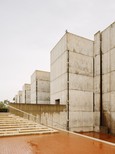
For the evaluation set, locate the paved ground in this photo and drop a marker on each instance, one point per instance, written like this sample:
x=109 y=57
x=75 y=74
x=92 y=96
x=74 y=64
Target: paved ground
x=101 y=136
x=58 y=143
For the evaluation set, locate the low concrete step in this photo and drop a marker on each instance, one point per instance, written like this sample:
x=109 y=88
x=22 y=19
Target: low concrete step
x=15 y=125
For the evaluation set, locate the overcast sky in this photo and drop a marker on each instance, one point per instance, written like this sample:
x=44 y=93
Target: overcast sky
x=29 y=29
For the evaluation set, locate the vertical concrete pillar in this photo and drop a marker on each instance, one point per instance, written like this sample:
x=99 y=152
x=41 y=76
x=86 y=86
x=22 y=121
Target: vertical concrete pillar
x=97 y=81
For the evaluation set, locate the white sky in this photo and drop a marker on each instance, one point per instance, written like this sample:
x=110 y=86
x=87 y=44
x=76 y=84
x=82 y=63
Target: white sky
x=29 y=29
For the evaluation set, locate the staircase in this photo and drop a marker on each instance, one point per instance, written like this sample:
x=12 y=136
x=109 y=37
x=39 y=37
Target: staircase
x=11 y=125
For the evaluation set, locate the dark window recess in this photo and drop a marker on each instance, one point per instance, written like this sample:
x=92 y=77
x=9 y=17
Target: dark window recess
x=57 y=101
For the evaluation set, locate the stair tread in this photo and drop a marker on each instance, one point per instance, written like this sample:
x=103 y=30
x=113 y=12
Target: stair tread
x=15 y=125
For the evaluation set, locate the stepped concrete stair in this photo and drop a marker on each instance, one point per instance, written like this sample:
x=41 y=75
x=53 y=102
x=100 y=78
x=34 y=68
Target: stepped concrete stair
x=11 y=125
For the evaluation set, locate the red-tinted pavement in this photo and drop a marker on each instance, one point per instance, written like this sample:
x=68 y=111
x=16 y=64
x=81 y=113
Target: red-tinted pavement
x=58 y=143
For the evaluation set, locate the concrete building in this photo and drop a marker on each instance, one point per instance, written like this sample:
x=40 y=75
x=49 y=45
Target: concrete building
x=19 y=97
x=26 y=93
x=72 y=80
x=104 y=79
x=16 y=98
x=82 y=79
x=40 y=87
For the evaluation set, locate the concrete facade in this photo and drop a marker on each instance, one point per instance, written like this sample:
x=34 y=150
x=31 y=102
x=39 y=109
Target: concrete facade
x=40 y=87
x=83 y=79
x=108 y=77
x=16 y=98
x=97 y=80
x=72 y=80
x=26 y=93
x=19 y=97
x=104 y=80
x=47 y=114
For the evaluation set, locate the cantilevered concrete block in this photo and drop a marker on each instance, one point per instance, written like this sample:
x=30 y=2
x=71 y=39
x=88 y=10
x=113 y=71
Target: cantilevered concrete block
x=72 y=78
x=26 y=93
x=40 y=87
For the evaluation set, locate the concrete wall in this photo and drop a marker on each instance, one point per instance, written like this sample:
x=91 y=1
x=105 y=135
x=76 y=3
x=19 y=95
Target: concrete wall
x=26 y=93
x=80 y=79
x=108 y=77
x=97 y=52
x=52 y=115
x=40 y=87
x=19 y=97
x=80 y=83
x=83 y=74
x=104 y=49
x=58 y=75
x=16 y=98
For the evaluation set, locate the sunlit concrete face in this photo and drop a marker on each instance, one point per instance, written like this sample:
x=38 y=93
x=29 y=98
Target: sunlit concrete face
x=78 y=52
x=40 y=87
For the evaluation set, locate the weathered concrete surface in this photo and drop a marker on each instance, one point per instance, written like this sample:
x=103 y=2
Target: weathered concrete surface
x=108 y=78
x=59 y=84
x=80 y=64
x=59 y=66
x=62 y=95
x=80 y=52
x=80 y=82
x=79 y=45
x=97 y=84
x=16 y=98
x=59 y=48
x=47 y=114
x=19 y=97
x=97 y=65
x=106 y=40
x=81 y=101
x=58 y=75
x=40 y=87
x=106 y=83
x=96 y=101
x=104 y=44
x=112 y=59
x=96 y=104
x=83 y=74
x=26 y=93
